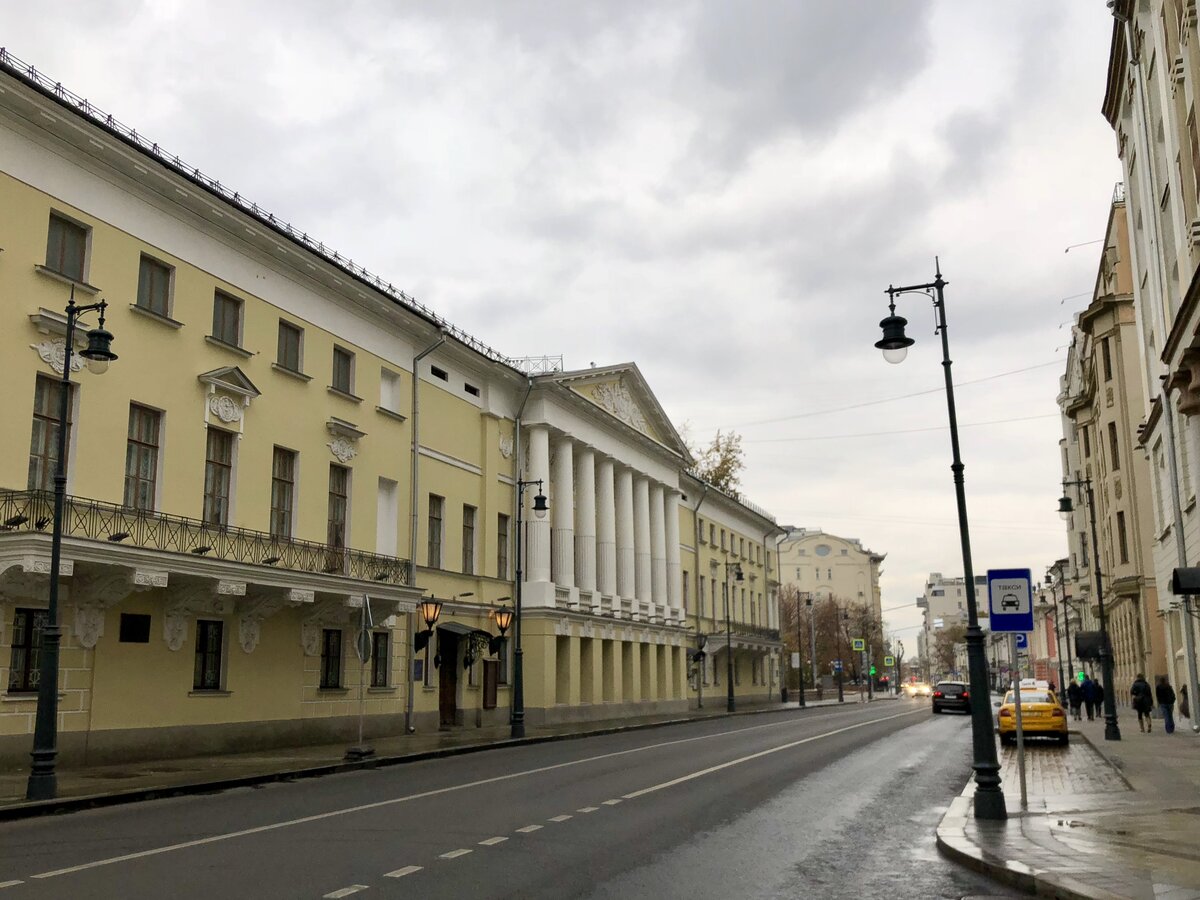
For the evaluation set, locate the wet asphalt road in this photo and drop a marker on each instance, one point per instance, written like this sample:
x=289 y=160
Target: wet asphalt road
x=829 y=803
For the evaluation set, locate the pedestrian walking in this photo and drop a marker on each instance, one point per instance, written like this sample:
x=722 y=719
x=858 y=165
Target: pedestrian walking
x=1143 y=701
x=1165 y=695
x=1089 y=697
x=1075 y=699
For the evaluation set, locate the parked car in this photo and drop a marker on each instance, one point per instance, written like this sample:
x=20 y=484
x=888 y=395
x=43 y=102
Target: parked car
x=1042 y=715
x=951 y=695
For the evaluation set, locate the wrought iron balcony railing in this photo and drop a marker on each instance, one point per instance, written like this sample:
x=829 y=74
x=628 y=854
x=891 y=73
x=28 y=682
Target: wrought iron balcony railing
x=98 y=521
x=771 y=634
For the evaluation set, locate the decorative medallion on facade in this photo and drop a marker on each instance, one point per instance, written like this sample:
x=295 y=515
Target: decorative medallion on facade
x=346 y=435
x=225 y=408
x=506 y=446
x=342 y=449
x=54 y=354
x=616 y=399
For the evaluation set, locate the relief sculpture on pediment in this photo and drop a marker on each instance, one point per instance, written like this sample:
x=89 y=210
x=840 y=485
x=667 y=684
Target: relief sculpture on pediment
x=616 y=399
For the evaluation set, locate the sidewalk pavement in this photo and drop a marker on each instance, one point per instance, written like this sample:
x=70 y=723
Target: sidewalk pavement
x=90 y=786
x=1106 y=819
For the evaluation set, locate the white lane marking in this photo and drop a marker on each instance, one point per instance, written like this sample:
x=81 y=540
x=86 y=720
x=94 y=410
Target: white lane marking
x=400 y=873
x=317 y=817
x=559 y=818
x=492 y=842
x=529 y=829
x=737 y=762
x=345 y=892
x=455 y=854
x=611 y=802
x=13 y=883
x=588 y=809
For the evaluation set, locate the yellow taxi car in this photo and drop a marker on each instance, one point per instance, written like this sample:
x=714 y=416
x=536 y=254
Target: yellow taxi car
x=1041 y=715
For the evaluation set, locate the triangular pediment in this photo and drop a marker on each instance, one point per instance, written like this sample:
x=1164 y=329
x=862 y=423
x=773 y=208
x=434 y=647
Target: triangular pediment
x=230 y=379
x=621 y=391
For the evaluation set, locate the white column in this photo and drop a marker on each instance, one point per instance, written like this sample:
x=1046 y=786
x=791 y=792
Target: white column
x=674 y=567
x=606 y=525
x=585 y=525
x=562 y=513
x=625 y=578
x=658 y=547
x=642 y=587
x=537 y=531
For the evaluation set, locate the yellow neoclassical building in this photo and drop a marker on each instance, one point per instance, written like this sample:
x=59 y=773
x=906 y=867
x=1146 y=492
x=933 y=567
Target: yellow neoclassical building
x=288 y=455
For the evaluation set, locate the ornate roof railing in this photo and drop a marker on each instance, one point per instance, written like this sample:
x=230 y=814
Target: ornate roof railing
x=33 y=511
x=81 y=105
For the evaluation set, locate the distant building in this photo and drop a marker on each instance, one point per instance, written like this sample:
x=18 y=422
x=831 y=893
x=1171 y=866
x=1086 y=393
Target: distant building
x=826 y=565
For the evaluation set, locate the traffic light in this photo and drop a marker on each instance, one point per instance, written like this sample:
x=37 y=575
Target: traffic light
x=872 y=670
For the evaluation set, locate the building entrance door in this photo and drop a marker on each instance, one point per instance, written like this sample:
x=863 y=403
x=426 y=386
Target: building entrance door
x=448 y=679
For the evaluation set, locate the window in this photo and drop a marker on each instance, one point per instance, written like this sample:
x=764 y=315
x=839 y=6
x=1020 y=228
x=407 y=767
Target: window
x=722 y=538
x=1087 y=443
x=439 y=373
x=685 y=592
x=291 y=339
x=1106 y=356
x=712 y=534
x=700 y=528
x=227 y=319
x=343 y=370
x=471 y=389
x=502 y=658
x=742 y=547
x=283 y=491
x=66 y=248
x=468 y=540
x=43 y=445
x=1083 y=550
x=1112 y=441
x=938 y=593
x=381 y=663
x=207 y=676
x=1122 y=538
x=700 y=595
x=433 y=558
x=218 y=474
x=502 y=546
x=389 y=390
x=26 y=644
x=141 y=457
x=331 y=658
x=154 y=286
x=134 y=628
x=339 y=496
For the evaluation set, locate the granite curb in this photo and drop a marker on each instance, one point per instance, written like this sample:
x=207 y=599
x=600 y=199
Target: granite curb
x=29 y=810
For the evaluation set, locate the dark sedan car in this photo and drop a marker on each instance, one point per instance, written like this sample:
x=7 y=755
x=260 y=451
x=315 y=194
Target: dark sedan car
x=951 y=695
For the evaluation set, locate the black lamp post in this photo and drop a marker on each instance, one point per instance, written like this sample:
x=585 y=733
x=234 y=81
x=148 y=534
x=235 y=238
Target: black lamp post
x=43 y=783
x=736 y=568
x=1112 y=731
x=842 y=618
x=699 y=657
x=799 y=654
x=1062 y=684
x=540 y=507
x=989 y=798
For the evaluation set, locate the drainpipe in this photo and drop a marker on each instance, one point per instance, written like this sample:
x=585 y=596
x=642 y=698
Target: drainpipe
x=413 y=503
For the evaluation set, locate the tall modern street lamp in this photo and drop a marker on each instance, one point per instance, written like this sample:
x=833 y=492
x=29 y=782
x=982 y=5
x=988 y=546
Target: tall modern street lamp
x=989 y=798
x=1112 y=731
x=736 y=569
x=540 y=507
x=43 y=783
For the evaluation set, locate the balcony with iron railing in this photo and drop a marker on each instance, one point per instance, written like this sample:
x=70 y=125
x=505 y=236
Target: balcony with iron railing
x=95 y=520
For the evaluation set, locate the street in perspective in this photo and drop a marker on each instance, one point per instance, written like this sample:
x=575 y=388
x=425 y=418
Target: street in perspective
x=674 y=449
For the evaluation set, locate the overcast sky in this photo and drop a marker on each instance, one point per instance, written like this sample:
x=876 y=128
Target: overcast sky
x=717 y=191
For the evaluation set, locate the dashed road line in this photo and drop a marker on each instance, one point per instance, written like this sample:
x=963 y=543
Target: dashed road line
x=611 y=802
x=493 y=841
x=345 y=892
x=13 y=883
x=455 y=854
x=529 y=828
x=400 y=873
x=559 y=818
x=587 y=809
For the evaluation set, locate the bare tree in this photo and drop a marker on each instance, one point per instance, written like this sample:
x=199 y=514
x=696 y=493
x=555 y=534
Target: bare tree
x=721 y=462
x=943 y=646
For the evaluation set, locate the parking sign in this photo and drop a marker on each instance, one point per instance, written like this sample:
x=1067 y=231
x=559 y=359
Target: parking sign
x=1010 y=600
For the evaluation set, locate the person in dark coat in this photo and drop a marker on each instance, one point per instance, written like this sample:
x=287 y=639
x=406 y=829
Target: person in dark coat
x=1165 y=695
x=1183 y=702
x=1074 y=699
x=1142 y=699
x=1089 y=698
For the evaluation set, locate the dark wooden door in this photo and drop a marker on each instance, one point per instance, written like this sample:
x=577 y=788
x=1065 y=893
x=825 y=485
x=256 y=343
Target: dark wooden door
x=491 y=675
x=448 y=679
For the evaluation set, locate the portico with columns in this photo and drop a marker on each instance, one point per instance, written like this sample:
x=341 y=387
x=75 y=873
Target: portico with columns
x=604 y=624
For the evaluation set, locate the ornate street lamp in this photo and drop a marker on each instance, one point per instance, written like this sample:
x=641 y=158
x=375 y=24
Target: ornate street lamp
x=699 y=657
x=736 y=569
x=989 y=798
x=540 y=508
x=1112 y=731
x=43 y=783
